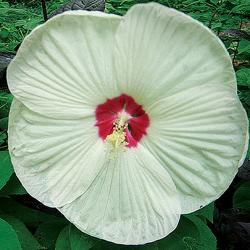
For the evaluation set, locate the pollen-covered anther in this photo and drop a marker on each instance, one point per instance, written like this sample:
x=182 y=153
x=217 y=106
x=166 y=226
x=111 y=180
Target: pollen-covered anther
x=118 y=137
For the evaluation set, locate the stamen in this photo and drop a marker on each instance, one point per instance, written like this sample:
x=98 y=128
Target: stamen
x=117 y=140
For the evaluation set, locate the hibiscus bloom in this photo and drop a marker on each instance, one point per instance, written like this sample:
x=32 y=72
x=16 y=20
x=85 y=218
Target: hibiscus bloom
x=124 y=123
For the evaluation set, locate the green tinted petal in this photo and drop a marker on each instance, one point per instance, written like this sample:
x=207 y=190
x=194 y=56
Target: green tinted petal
x=160 y=52
x=64 y=67
x=133 y=201
x=201 y=139
x=51 y=156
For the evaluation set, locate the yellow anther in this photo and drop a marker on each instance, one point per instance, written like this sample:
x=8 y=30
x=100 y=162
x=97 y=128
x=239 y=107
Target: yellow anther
x=117 y=139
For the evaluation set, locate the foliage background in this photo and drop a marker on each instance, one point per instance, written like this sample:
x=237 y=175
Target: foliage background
x=27 y=224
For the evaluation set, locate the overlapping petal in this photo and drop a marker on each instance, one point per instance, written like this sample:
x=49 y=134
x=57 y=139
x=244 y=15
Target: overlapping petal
x=51 y=157
x=160 y=51
x=133 y=201
x=182 y=74
x=64 y=68
x=200 y=139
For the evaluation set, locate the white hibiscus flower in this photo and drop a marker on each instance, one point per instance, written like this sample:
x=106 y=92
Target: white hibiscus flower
x=124 y=123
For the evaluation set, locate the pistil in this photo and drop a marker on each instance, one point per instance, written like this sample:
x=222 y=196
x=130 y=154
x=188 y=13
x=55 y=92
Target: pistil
x=118 y=137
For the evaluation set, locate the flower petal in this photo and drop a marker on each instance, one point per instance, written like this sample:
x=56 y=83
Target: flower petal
x=64 y=67
x=201 y=139
x=133 y=201
x=51 y=156
x=160 y=51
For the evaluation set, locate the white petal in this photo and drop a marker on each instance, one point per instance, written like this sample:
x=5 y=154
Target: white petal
x=64 y=67
x=160 y=51
x=133 y=201
x=200 y=136
x=51 y=156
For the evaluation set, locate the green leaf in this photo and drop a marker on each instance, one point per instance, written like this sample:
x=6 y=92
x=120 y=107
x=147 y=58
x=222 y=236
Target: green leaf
x=244 y=7
x=106 y=245
x=244 y=46
x=183 y=237
x=150 y=246
x=26 y=239
x=8 y=237
x=3 y=136
x=207 y=238
x=13 y=187
x=243 y=77
x=30 y=217
x=206 y=212
x=4 y=123
x=6 y=168
x=247 y=97
x=63 y=242
x=79 y=240
x=47 y=233
x=241 y=197
x=216 y=25
x=191 y=233
x=4 y=34
x=5 y=102
x=248 y=150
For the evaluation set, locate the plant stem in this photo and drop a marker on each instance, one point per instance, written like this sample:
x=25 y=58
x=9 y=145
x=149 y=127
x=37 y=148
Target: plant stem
x=45 y=15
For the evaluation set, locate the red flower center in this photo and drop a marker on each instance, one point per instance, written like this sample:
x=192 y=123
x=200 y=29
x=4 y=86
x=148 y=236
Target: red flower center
x=124 y=113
